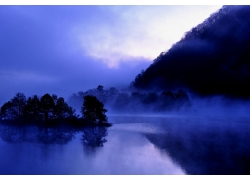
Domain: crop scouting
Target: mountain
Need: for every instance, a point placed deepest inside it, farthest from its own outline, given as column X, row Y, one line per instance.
column 213, row 58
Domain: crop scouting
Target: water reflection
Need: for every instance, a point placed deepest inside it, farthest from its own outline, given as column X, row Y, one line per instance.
column 54, row 151
column 203, row 147
column 167, row 146
column 32, row 134
column 56, row 135
column 13, row 134
column 93, row 138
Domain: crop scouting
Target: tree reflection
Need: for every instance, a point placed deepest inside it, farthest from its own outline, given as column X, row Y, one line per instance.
column 213, row 148
column 57, row 135
column 13, row 134
column 93, row 138
column 44, row 135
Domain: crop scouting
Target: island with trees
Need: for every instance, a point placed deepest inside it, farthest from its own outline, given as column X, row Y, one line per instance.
column 52, row 110
column 87, row 108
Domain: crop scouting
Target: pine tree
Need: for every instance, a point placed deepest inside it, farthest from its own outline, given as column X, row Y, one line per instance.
column 93, row 110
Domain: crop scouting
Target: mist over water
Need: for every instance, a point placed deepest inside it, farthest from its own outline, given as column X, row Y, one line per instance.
column 220, row 106
column 196, row 119
column 115, row 152
column 174, row 144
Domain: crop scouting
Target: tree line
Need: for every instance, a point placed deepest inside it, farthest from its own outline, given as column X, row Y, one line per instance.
column 118, row 101
column 50, row 109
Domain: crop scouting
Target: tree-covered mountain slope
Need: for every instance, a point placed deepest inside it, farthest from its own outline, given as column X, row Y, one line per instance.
column 213, row 58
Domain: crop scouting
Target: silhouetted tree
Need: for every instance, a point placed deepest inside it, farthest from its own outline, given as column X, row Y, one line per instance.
column 182, row 98
column 134, row 101
column 93, row 110
column 19, row 102
column 100, row 88
column 111, row 93
column 32, row 109
column 13, row 109
column 47, row 106
column 167, row 100
column 8, row 112
column 62, row 110
column 150, row 98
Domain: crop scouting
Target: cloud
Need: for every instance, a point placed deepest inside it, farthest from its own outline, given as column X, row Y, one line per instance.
column 64, row 49
column 137, row 31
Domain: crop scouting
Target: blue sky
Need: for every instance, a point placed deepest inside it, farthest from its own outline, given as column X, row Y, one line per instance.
column 65, row 49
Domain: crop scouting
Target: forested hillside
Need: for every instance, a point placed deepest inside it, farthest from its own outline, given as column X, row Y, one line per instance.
column 213, row 58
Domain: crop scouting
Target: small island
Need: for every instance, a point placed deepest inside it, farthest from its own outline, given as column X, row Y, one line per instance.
column 50, row 110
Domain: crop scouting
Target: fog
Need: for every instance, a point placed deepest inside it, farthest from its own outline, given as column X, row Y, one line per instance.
column 86, row 151
column 195, row 120
column 217, row 106
column 133, row 145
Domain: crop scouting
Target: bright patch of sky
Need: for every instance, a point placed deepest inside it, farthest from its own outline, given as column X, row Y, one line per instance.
column 137, row 32
column 66, row 49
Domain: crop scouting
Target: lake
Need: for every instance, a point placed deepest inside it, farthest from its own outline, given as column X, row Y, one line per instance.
column 133, row 145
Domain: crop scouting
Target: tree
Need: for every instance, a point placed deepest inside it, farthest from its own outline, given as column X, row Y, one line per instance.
column 93, row 110
column 111, row 93
column 100, row 88
column 8, row 112
column 62, row 109
column 13, row 109
column 19, row 102
column 47, row 106
column 32, row 109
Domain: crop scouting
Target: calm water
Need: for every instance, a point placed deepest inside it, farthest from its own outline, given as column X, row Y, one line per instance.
column 133, row 145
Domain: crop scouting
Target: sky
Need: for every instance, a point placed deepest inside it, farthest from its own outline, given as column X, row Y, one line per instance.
column 65, row 49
